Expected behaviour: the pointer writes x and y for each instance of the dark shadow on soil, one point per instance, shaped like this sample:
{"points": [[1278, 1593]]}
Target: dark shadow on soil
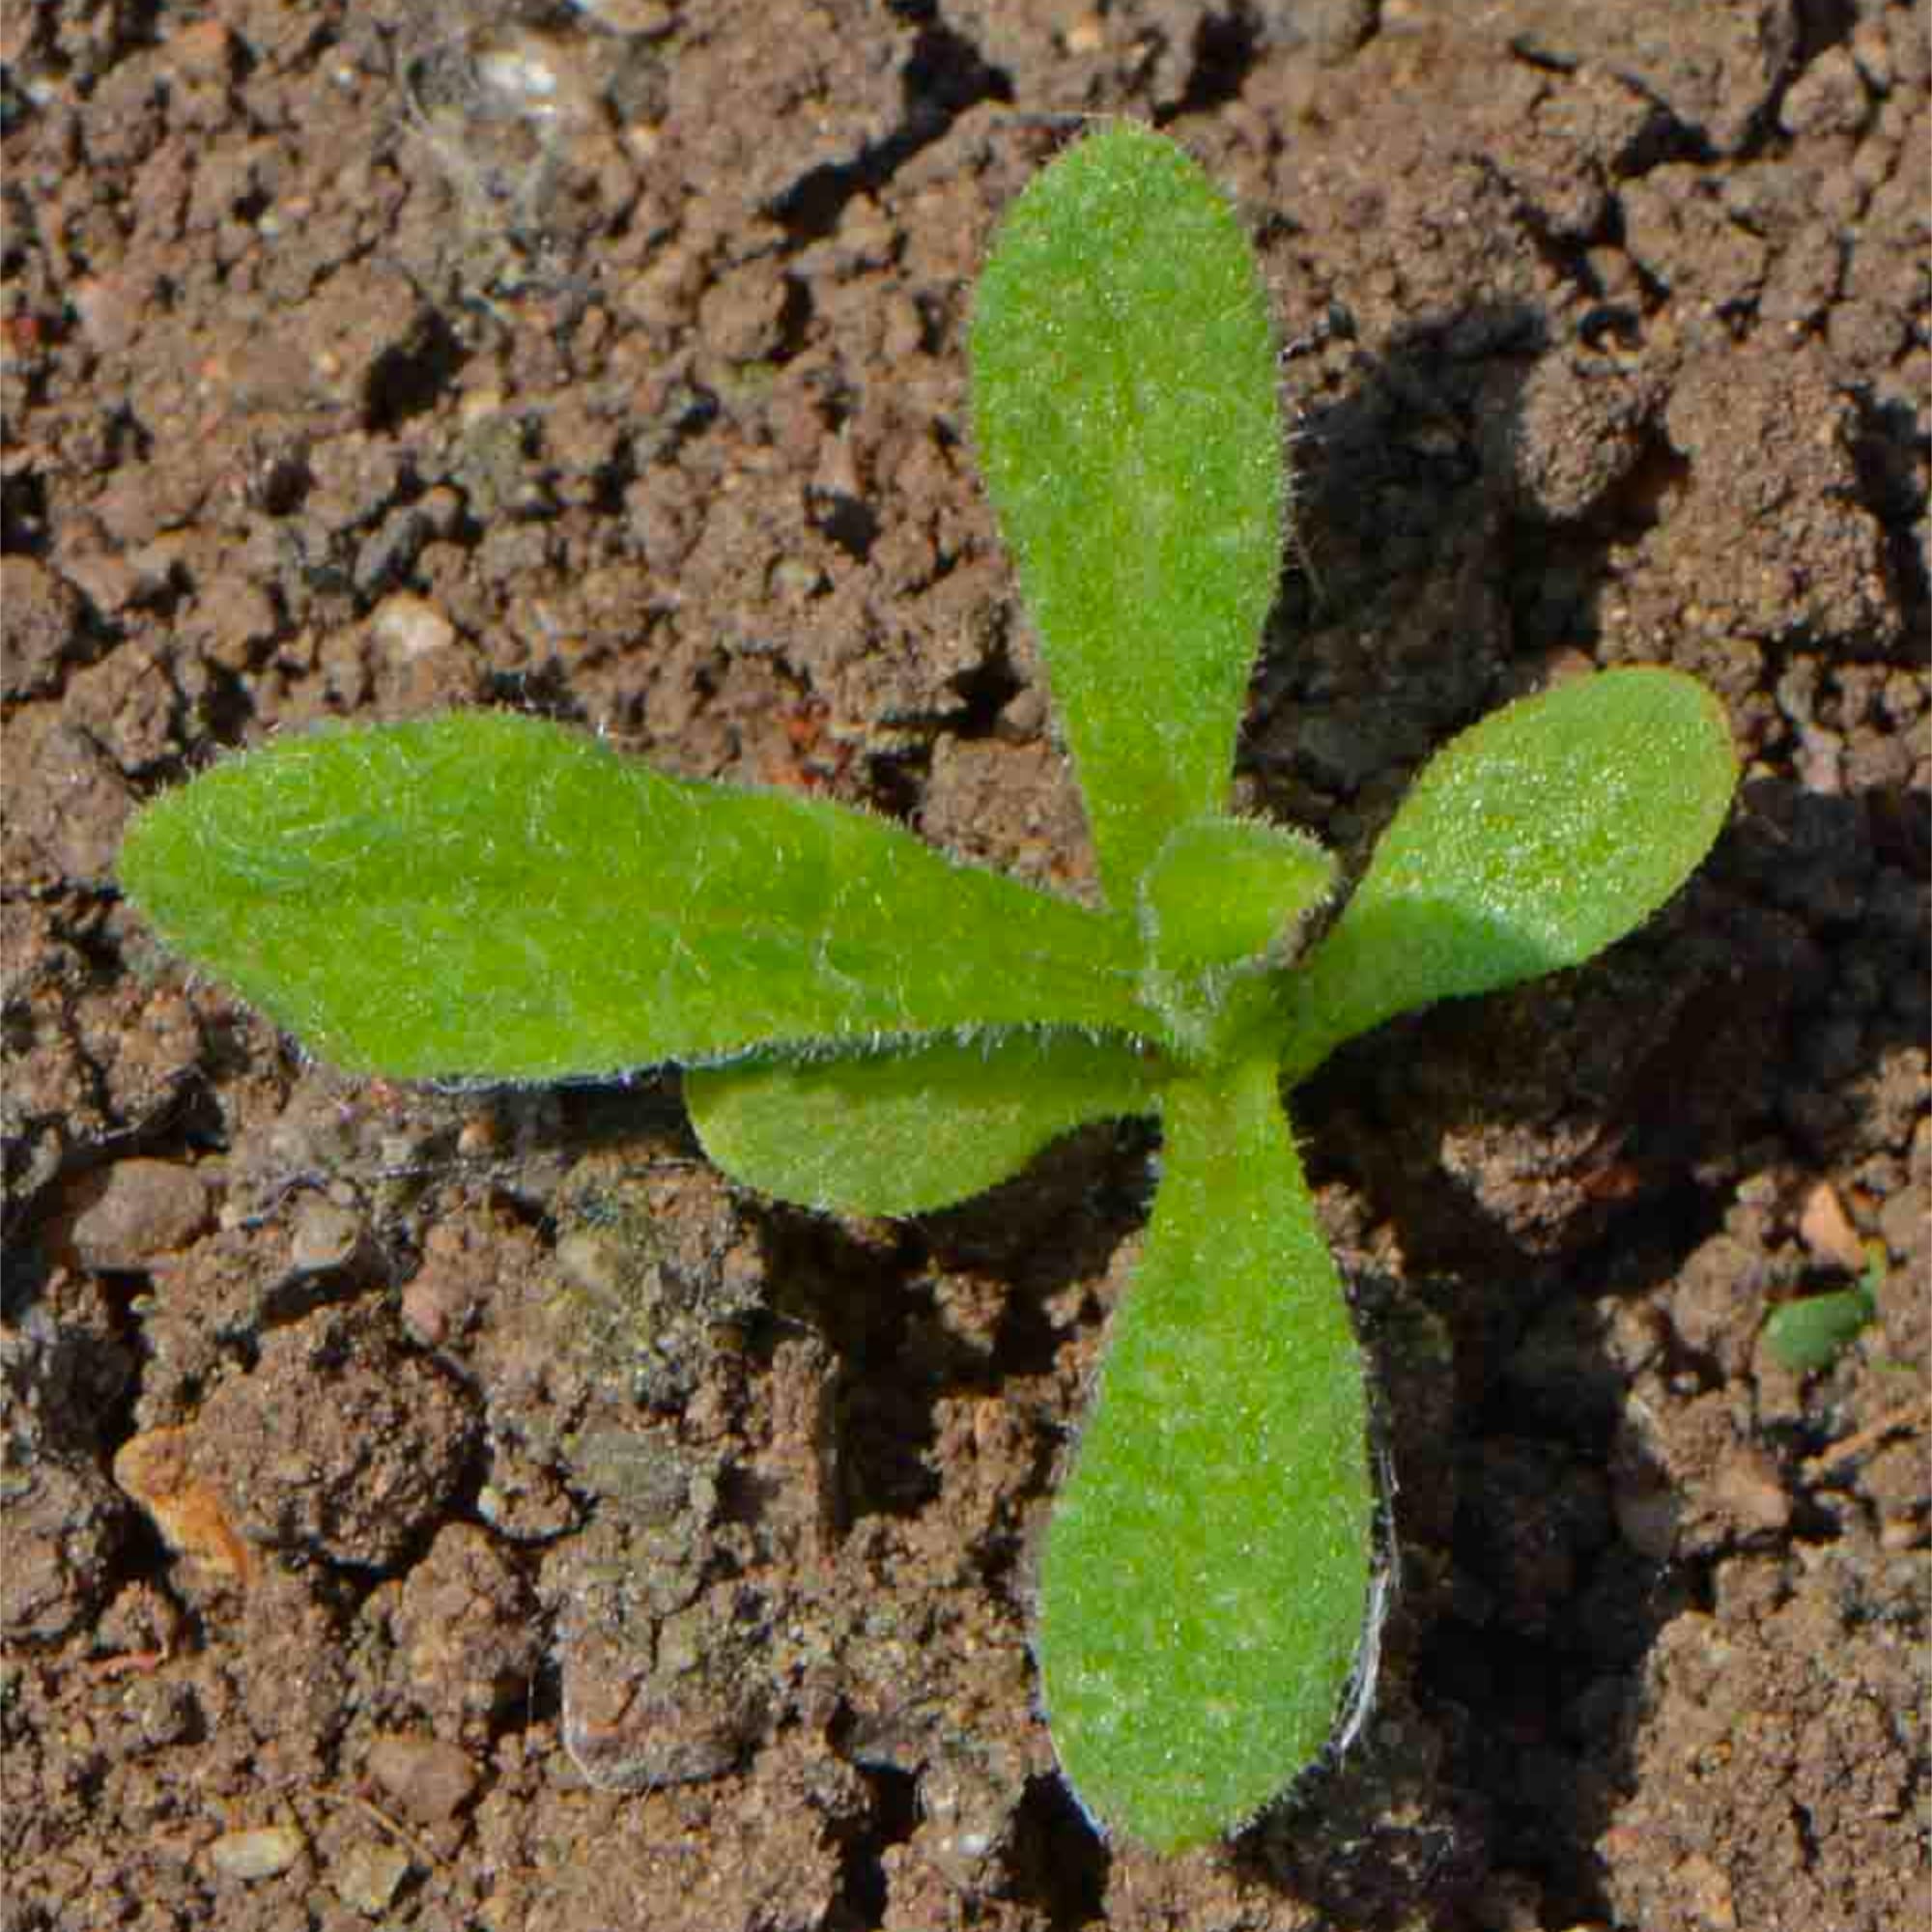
{"points": [[902, 1353], [943, 76]]}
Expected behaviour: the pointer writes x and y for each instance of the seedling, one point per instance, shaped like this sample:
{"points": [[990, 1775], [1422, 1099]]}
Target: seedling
{"points": [[869, 1026], [1813, 1331]]}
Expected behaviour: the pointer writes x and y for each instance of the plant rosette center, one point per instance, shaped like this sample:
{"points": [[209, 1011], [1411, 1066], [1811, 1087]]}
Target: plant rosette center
{"points": [[1221, 911]]}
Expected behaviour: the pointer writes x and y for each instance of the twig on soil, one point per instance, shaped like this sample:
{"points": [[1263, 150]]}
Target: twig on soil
{"points": [[1907, 1415], [419, 1848]]}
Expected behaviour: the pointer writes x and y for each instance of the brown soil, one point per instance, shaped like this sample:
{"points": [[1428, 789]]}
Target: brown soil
{"points": [[434, 1512]]}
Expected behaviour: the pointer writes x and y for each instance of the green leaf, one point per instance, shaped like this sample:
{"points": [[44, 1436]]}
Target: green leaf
{"points": [[489, 896], [1220, 909], [1206, 1576], [1123, 401], [1813, 1333], [1537, 838], [915, 1129], [1225, 891]]}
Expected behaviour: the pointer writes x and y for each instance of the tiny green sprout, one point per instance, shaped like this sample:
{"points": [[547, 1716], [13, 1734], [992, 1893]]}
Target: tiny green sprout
{"points": [[1813, 1331], [869, 1026]]}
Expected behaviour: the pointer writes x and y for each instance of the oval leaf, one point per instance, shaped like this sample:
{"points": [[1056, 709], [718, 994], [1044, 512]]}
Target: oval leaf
{"points": [[1123, 401], [1537, 838], [491, 897], [1206, 1585], [914, 1130], [1813, 1333]]}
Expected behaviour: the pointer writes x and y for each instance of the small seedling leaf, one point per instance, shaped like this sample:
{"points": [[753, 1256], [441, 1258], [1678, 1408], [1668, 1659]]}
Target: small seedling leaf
{"points": [[489, 896], [917, 1129], [1206, 1575], [1225, 891], [1124, 400], [1220, 912], [1537, 838], [1813, 1333]]}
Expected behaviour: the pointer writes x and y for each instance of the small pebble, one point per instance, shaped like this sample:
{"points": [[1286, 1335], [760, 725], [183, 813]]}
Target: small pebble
{"points": [[264, 1852], [410, 627], [327, 1236], [156, 1469], [431, 1781], [148, 1209], [1825, 1228], [368, 1876]]}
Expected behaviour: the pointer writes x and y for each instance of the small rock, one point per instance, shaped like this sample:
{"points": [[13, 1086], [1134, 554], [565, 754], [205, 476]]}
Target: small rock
{"points": [[410, 627], [740, 317], [337, 1441], [431, 1781], [230, 617], [1827, 97], [248, 1855], [1820, 760], [1825, 1228], [631, 17], [108, 581], [148, 1209], [327, 1236], [155, 1468], [644, 1708], [969, 1802], [368, 1876]]}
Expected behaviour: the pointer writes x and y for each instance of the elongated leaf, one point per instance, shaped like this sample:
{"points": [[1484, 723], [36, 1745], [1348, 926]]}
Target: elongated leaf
{"points": [[1123, 399], [915, 1129], [487, 895], [1206, 1576], [1532, 841]]}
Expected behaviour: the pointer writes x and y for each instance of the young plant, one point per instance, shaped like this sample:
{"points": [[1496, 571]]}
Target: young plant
{"points": [[869, 1026], [1813, 1331]]}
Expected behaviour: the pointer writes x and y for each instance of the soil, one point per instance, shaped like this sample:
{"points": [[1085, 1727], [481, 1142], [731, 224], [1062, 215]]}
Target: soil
{"points": [[436, 1511]]}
